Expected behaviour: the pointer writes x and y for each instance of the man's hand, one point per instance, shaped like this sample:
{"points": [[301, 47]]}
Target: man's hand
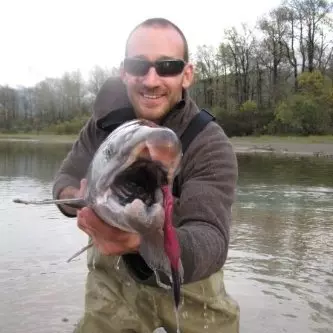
{"points": [[109, 240], [71, 192]]}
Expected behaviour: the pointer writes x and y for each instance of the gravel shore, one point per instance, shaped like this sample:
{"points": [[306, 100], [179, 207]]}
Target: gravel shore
{"points": [[284, 148]]}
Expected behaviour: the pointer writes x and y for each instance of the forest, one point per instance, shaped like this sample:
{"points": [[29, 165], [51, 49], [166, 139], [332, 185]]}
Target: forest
{"points": [[273, 78]]}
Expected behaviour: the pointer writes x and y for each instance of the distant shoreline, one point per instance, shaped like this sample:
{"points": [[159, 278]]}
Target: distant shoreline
{"points": [[317, 146], [37, 138]]}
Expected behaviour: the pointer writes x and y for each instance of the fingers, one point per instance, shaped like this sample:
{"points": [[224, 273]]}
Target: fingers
{"points": [[83, 186], [83, 183], [108, 247], [109, 240], [115, 248], [84, 225], [93, 222]]}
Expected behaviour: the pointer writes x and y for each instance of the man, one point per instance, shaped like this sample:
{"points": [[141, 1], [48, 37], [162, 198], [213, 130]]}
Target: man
{"points": [[122, 294]]}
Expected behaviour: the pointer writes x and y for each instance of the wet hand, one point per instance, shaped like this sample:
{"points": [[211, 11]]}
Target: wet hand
{"points": [[109, 240], [81, 191]]}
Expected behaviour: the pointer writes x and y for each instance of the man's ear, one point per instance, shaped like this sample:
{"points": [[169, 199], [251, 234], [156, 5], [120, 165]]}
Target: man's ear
{"points": [[188, 75]]}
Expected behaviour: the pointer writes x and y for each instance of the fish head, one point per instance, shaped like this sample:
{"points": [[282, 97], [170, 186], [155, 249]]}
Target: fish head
{"points": [[127, 173]]}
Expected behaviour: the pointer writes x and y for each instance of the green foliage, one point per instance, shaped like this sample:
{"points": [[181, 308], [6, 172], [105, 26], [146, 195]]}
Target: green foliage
{"points": [[72, 126], [309, 111], [316, 85], [249, 122], [249, 107]]}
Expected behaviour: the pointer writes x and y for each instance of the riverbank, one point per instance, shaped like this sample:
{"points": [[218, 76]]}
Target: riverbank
{"points": [[38, 138], [319, 146]]}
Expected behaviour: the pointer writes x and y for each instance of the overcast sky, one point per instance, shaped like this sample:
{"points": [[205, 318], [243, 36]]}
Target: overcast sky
{"points": [[42, 38]]}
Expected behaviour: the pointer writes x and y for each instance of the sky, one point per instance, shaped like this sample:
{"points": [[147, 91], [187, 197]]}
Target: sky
{"points": [[43, 38]]}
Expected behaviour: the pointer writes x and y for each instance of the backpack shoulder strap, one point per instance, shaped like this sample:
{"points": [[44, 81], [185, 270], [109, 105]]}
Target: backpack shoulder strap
{"points": [[196, 125]]}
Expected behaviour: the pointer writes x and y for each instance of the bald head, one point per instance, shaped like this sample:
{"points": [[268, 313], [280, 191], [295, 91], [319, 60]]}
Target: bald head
{"points": [[161, 23], [156, 69]]}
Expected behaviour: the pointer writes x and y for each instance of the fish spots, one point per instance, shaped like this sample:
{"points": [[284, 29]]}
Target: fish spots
{"points": [[109, 152]]}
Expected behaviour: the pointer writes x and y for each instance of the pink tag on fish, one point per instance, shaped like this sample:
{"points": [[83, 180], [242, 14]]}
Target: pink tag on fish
{"points": [[171, 244]]}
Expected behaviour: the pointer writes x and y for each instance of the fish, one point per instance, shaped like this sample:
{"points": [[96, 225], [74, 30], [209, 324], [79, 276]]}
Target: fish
{"points": [[129, 186]]}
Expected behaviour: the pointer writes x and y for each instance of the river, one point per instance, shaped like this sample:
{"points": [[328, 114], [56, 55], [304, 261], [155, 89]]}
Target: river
{"points": [[279, 268]]}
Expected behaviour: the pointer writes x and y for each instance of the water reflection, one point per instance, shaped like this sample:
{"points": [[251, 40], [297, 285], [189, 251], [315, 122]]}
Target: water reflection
{"points": [[36, 160], [280, 265], [282, 244], [282, 170]]}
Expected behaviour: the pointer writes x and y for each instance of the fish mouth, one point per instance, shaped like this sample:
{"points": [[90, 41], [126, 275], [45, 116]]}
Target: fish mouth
{"points": [[142, 180], [151, 164]]}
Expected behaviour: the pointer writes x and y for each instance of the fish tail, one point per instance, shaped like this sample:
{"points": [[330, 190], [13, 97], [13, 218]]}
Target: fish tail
{"points": [[176, 286]]}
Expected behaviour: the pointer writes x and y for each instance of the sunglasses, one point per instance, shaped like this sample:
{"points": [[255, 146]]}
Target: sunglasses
{"points": [[140, 67]]}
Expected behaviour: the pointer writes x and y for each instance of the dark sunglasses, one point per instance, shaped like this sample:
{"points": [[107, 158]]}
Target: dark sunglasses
{"points": [[140, 67]]}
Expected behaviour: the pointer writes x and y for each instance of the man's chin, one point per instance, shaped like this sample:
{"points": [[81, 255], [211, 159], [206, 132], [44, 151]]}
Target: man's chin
{"points": [[153, 114]]}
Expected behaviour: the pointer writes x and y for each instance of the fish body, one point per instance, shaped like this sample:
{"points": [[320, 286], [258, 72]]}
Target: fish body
{"points": [[129, 183]]}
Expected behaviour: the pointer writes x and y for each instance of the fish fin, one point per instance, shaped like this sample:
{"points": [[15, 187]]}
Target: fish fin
{"points": [[153, 253], [75, 203], [76, 254], [159, 282]]}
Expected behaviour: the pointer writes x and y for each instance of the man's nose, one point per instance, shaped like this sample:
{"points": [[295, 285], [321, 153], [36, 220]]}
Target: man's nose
{"points": [[151, 79]]}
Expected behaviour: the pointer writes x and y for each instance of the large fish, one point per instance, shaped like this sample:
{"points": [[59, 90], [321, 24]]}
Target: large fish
{"points": [[129, 183]]}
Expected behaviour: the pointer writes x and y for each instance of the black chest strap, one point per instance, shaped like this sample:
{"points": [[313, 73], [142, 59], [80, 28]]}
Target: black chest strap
{"points": [[196, 125]]}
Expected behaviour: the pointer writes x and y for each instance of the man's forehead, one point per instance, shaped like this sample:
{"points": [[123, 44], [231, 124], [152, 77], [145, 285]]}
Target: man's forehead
{"points": [[164, 42]]}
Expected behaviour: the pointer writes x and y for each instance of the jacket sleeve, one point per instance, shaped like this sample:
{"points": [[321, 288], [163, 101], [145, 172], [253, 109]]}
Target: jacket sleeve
{"points": [[202, 215], [76, 163], [111, 96]]}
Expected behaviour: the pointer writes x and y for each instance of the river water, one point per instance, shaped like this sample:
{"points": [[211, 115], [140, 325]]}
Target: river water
{"points": [[280, 264]]}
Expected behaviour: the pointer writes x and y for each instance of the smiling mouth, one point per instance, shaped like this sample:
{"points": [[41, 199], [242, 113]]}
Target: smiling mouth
{"points": [[151, 96]]}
